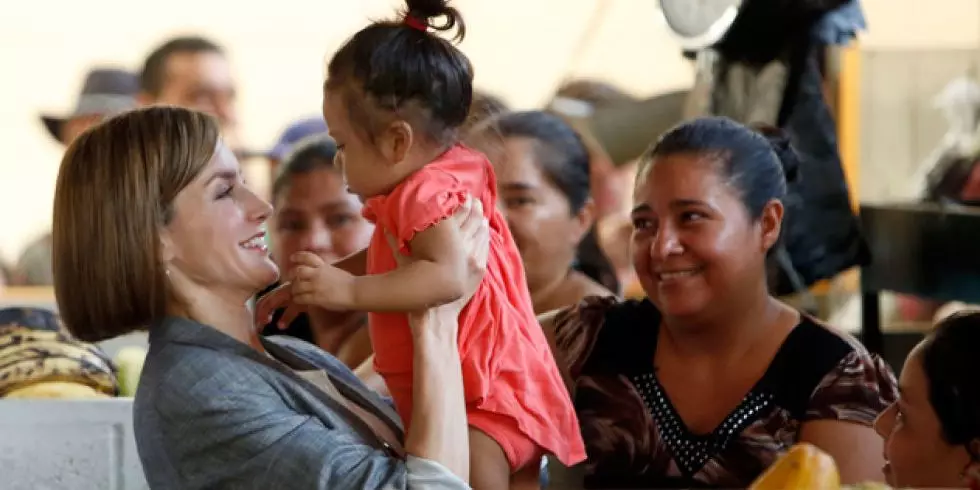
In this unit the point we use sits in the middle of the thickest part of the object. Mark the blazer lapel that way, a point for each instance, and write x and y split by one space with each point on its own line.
355 393
184 331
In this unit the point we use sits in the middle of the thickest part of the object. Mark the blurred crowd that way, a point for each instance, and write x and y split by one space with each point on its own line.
194 72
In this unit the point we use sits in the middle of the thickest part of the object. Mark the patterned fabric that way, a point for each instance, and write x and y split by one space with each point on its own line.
635 437
32 318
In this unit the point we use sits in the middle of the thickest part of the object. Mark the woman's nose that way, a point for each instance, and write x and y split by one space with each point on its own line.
318 241
883 424
665 243
258 209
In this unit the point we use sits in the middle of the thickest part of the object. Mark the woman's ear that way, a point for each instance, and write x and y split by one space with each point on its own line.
167 249
771 223
584 219
397 141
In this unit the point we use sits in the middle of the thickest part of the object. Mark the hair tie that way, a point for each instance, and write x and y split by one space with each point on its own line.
416 23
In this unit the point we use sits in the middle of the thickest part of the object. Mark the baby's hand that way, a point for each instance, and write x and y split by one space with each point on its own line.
317 283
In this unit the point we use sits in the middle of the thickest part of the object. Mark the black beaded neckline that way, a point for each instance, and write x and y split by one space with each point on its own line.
692 451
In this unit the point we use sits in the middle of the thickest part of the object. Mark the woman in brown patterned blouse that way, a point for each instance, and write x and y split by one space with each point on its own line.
706 383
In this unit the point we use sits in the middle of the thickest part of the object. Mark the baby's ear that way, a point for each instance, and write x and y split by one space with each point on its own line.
397 141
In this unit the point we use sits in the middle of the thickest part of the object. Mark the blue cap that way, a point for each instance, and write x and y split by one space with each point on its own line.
294 133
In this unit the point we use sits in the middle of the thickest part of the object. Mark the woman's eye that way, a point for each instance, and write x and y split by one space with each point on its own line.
642 223
515 202
339 220
688 216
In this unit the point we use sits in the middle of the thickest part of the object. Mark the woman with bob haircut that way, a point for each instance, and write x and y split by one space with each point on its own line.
155 228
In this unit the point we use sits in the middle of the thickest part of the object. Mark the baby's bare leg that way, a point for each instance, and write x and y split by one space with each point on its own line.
527 478
489 468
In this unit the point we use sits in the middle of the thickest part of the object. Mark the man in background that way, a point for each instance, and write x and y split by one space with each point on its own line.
195 73
106 91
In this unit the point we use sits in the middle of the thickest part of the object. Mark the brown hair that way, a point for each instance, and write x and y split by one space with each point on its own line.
115 191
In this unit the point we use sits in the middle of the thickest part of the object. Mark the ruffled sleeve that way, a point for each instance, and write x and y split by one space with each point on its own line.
424 199
859 388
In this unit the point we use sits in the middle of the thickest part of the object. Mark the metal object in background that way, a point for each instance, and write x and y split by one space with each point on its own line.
699 24
626 130
919 249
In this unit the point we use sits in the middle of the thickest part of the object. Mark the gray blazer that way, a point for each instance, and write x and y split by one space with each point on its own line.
213 413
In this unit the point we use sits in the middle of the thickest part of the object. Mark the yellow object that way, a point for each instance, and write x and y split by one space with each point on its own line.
849 118
867 486
29 357
129 361
56 389
802 467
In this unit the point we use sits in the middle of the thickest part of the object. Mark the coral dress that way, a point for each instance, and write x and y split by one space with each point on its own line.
514 391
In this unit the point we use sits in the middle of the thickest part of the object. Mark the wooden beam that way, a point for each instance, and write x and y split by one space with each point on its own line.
848 113
842 89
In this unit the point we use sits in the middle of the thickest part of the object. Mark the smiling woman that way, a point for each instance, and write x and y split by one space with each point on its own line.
155 228
711 378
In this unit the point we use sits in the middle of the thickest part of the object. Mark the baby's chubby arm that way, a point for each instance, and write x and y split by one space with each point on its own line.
355 263
283 296
436 275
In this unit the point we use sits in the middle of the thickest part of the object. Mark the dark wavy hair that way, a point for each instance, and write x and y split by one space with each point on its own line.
951 364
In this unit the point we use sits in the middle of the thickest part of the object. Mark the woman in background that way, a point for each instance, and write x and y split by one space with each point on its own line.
543 182
314 212
932 433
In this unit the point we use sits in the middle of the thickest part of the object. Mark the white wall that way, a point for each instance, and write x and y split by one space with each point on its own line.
915 24
521 50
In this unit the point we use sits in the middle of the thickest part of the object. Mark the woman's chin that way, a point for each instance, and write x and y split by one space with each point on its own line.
678 305
265 274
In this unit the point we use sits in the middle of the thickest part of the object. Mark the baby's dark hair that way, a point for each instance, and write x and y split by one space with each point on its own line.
398 69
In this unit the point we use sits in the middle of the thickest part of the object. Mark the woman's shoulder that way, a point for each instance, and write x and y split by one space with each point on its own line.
821 346
825 372
602 330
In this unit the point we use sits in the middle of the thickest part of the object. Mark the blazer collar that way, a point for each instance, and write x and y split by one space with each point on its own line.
185 331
